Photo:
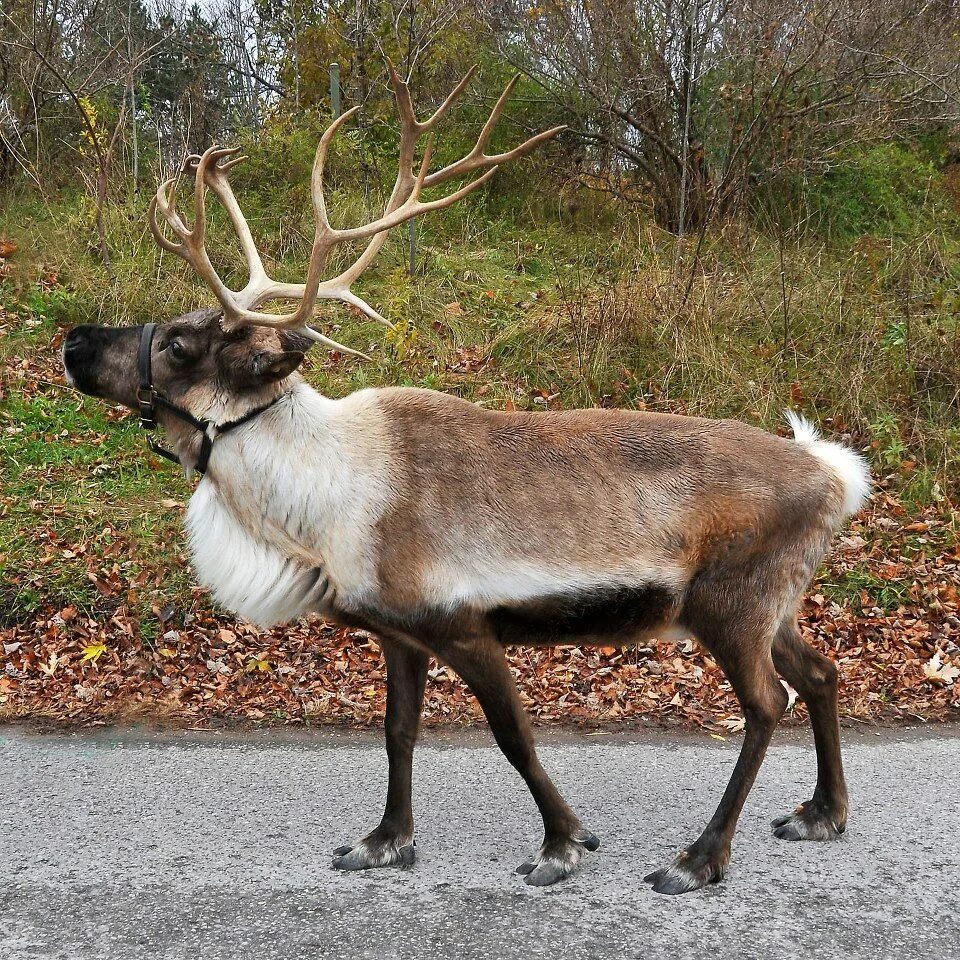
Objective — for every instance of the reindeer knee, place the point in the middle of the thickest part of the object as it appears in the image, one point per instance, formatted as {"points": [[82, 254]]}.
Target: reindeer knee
{"points": [[764, 707], [826, 675]]}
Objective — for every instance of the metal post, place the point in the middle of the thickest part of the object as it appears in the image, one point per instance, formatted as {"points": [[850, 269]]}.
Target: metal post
{"points": [[412, 229], [133, 99], [335, 90], [136, 139]]}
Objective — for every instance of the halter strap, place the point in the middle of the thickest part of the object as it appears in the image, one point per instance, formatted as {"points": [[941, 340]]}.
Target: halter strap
{"points": [[148, 399]]}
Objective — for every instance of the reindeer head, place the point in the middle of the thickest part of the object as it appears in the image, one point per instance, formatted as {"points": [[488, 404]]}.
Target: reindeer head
{"points": [[194, 362]]}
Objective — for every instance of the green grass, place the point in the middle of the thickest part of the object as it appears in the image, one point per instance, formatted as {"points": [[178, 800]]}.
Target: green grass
{"points": [[73, 477], [71, 483], [855, 585], [512, 305]]}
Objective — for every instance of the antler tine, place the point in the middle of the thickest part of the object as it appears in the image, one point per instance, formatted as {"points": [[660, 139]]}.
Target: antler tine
{"points": [[166, 203], [401, 93], [169, 245], [487, 130], [203, 164], [405, 105], [470, 163], [424, 166], [168, 198], [452, 97], [316, 177], [218, 182], [228, 165], [165, 200], [477, 158], [320, 338]]}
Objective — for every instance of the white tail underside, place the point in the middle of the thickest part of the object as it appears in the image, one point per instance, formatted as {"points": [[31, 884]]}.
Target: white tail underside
{"points": [[846, 464]]}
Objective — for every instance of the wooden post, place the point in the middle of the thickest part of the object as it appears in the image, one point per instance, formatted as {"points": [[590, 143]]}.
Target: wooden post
{"points": [[335, 90]]}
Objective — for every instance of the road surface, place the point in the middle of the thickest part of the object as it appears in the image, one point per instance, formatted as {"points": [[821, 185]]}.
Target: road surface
{"points": [[216, 846]]}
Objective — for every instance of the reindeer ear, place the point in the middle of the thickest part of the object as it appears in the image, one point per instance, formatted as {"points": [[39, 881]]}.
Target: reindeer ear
{"points": [[276, 364], [292, 340]]}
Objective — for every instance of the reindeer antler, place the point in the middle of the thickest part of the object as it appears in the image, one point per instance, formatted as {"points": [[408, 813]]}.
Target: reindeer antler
{"points": [[211, 172]]}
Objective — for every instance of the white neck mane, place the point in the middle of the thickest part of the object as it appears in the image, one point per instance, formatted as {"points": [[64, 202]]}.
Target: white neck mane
{"points": [[284, 518]]}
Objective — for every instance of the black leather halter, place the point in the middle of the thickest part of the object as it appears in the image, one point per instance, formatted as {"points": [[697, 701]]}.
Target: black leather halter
{"points": [[148, 399]]}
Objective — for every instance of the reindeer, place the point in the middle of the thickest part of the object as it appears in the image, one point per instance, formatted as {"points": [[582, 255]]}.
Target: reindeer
{"points": [[452, 531]]}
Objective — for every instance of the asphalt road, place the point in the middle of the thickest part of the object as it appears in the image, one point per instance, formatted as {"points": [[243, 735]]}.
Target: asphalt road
{"points": [[209, 846]]}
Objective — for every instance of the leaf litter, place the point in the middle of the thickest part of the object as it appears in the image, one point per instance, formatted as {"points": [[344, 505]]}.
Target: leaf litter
{"points": [[885, 608], [897, 660]]}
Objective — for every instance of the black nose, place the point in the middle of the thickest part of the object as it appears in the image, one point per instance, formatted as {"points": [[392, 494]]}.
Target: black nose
{"points": [[81, 349], [79, 345]]}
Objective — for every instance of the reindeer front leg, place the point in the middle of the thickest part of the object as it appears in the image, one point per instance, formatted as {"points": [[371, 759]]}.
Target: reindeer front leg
{"points": [[391, 843], [481, 663]]}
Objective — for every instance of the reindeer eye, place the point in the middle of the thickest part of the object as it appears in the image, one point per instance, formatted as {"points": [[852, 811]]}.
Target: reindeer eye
{"points": [[177, 350]]}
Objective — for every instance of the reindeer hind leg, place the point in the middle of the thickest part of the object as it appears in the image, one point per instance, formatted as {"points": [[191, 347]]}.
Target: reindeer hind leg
{"points": [[814, 677], [733, 609], [745, 659]]}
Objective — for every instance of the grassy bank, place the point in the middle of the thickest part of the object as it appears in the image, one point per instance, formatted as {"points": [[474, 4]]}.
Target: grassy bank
{"points": [[516, 303]]}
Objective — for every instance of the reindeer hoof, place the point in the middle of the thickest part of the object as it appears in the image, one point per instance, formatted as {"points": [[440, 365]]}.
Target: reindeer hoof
{"points": [[557, 859], [810, 821], [375, 851], [690, 871]]}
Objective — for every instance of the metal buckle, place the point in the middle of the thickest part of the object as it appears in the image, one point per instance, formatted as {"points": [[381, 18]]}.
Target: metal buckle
{"points": [[147, 406], [162, 451]]}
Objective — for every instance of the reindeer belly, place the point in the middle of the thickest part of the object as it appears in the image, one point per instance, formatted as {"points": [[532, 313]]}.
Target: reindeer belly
{"points": [[611, 616]]}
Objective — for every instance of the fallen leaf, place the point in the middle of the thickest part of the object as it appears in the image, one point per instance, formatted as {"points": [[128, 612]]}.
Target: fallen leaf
{"points": [[92, 652], [936, 669], [734, 724]]}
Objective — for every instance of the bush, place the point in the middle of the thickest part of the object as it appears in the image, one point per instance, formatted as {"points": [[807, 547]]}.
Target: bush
{"points": [[892, 189]]}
